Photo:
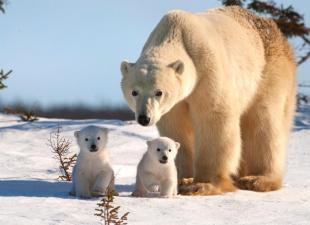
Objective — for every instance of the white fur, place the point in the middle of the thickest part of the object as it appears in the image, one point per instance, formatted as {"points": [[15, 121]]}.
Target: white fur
{"points": [[151, 173], [92, 174], [227, 79]]}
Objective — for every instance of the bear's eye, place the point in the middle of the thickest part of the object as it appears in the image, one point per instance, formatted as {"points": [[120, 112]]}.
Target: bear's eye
{"points": [[98, 138], [158, 93], [134, 93], [158, 149], [169, 150], [86, 139]]}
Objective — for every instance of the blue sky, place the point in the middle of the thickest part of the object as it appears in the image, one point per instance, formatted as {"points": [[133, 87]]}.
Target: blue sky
{"points": [[66, 52]]}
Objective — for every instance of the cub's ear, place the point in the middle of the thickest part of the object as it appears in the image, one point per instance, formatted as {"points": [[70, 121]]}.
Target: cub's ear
{"points": [[125, 67], [177, 145], [104, 130], [178, 66], [149, 143], [76, 134]]}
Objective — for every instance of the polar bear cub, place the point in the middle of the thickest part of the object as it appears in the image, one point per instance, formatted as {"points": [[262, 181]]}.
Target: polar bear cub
{"points": [[157, 169], [92, 174]]}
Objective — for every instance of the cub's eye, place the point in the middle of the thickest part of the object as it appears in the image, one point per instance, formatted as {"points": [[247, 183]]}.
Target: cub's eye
{"points": [[158, 149], [98, 138], [134, 93], [158, 93], [169, 150], [86, 139]]}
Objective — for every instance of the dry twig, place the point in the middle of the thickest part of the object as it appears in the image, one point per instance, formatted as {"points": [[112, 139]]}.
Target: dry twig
{"points": [[109, 213], [4, 76], [60, 147]]}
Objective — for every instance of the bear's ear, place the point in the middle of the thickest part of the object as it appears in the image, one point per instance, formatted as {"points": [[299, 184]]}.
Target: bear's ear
{"points": [[76, 134], [177, 145], [125, 67], [178, 66]]}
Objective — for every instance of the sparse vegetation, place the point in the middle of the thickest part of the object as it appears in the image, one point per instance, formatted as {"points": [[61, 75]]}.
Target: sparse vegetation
{"points": [[61, 149], [28, 116], [78, 111], [302, 99], [24, 114], [2, 3], [109, 213], [3, 76]]}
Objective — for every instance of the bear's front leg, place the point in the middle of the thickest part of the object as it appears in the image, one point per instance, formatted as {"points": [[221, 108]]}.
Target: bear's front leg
{"points": [[143, 182], [217, 153], [168, 188], [104, 181], [82, 186]]}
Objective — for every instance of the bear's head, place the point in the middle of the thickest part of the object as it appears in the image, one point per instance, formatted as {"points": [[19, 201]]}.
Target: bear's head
{"points": [[92, 138], [163, 149], [152, 88]]}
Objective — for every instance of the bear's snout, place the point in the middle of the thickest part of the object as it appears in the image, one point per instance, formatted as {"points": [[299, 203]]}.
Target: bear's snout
{"points": [[93, 148], [143, 120]]}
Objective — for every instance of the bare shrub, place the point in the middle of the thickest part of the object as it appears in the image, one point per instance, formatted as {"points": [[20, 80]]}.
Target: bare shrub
{"points": [[24, 114], [28, 116], [108, 213], [60, 147]]}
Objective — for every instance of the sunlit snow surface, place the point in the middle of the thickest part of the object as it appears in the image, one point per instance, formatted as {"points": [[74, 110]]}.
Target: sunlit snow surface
{"points": [[30, 193]]}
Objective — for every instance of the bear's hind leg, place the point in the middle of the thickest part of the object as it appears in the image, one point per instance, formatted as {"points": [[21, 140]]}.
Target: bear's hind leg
{"points": [[265, 128]]}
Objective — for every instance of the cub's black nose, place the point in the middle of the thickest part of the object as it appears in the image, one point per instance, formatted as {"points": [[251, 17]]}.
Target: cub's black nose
{"points": [[164, 158], [93, 148], [143, 120]]}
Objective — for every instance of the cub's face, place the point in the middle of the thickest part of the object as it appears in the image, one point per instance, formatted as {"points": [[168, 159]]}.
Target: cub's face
{"points": [[92, 139], [151, 88], [163, 149]]}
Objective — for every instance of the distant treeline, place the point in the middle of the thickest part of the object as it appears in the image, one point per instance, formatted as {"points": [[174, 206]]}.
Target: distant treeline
{"points": [[77, 111]]}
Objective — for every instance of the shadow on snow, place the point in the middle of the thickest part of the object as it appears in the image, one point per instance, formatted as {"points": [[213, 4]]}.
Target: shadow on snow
{"points": [[43, 188]]}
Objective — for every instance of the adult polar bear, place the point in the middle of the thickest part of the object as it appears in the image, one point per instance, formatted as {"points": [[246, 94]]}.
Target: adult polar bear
{"points": [[222, 83]]}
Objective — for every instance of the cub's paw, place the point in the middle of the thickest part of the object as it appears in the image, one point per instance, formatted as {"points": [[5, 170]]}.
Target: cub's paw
{"points": [[258, 183], [115, 193], [137, 194], [101, 193], [165, 196], [84, 196], [97, 194]]}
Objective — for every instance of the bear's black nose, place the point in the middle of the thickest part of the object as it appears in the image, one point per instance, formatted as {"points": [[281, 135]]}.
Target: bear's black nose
{"points": [[143, 120], [164, 158]]}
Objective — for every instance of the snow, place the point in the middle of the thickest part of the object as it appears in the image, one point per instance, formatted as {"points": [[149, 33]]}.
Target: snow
{"points": [[30, 193]]}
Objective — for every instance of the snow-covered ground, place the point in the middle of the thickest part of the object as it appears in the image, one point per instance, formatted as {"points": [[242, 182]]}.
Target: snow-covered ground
{"points": [[29, 193]]}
